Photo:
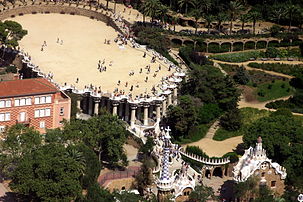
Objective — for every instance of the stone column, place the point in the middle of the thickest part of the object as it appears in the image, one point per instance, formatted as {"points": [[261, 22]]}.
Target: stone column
{"points": [[90, 105], [108, 105], [126, 114], [97, 101], [158, 114], [175, 95], [121, 110], [145, 116], [79, 105], [115, 107], [164, 106], [169, 99], [133, 115]]}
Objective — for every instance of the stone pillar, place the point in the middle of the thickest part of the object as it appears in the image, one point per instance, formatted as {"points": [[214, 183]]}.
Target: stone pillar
{"points": [[169, 99], [126, 117], [133, 115], [102, 102], [145, 112], [115, 107], [90, 105], [164, 106], [97, 101], [79, 105], [175, 95], [121, 110], [158, 114], [108, 104]]}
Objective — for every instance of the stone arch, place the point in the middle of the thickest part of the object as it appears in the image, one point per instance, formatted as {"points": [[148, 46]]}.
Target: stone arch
{"points": [[201, 46], [213, 47], [218, 171], [285, 42], [207, 173], [176, 42], [261, 44], [249, 45], [188, 42], [296, 42], [238, 46], [273, 43], [226, 47]]}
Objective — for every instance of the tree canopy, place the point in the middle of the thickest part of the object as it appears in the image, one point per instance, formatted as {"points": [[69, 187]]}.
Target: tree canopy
{"points": [[11, 32]]}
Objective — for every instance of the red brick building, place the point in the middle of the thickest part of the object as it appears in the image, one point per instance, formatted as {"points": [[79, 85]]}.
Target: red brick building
{"points": [[33, 102]]}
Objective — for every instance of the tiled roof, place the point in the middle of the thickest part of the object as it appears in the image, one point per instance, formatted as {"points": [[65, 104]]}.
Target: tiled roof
{"points": [[26, 87]]}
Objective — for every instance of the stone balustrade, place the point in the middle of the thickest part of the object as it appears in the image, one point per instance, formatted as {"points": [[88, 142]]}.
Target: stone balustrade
{"points": [[207, 161]]}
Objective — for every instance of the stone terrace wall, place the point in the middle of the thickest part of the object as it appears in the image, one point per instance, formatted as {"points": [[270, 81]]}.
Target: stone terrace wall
{"points": [[59, 8]]}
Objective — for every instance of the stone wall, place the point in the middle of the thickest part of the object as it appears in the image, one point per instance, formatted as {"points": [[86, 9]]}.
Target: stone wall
{"points": [[58, 8]]}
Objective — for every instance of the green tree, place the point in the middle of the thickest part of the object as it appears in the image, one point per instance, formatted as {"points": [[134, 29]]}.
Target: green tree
{"points": [[245, 189], [11, 32], [221, 17], [301, 48], [151, 8], [234, 9], [254, 16], [96, 193], [241, 76], [231, 120], [274, 30], [197, 15], [244, 18], [145, 177], [209, 19], [208, 112], [291, 10], [47, 174], [202, 194], [277, 13], [185, 3]]}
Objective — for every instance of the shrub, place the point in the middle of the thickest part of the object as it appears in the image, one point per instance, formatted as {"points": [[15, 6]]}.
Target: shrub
{"points": [[195, 150], [271, 52], [238, 57], [11, 69], [293, 70], [208, 112], [231, 120]]}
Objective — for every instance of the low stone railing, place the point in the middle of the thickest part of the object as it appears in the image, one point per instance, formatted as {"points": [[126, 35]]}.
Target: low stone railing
{"points": [[204, 160]]}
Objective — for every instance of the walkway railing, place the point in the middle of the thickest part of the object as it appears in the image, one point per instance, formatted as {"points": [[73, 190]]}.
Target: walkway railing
{"points": [[204, 160]]}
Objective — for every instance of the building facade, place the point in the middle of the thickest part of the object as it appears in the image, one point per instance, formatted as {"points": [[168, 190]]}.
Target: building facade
{"points": [[255, 163], [33, 102]]}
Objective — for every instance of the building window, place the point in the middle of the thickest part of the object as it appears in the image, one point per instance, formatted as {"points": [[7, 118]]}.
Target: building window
{"points": [[43, 100], [23, 102], [273, 184], [22, 116], [2, 129], [5, 116], [42, 112], [61, 111], [42, 124], [5, 103], [263, 174]]}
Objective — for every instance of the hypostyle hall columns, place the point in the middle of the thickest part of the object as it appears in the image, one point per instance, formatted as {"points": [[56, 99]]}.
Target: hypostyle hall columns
{"points": [[145, 112], [96, 110], [115, 107], [158, 112], [133, 115], [164, 106], [169, 99]]}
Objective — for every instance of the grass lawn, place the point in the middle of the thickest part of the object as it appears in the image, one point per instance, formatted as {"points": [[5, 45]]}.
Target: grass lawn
{"points": [[273, 90], [195, 134], [249, 116]]}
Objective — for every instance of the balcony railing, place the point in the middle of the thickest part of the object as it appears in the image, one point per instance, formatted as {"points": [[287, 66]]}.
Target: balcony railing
{"points": [[26, 121]]}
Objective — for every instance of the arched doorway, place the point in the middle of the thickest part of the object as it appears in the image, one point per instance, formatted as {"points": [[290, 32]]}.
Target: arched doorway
{"points": [[208, 174], [218, 172]]}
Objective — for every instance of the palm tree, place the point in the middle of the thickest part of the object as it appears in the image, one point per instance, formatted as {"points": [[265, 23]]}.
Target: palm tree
{"points": [[185, 3], [197, 15], [151, 8], [78, 157], [221, 17], [291, 11], [162, 12], [277, 13], [209, 19], [206, 5], [234, 8], [175, 20], [254, 16], [244, 19]]}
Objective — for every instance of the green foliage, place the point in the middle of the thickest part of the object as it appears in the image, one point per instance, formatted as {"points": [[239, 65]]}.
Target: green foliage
{"points": [[289, 69], [238, 57], [195, 150], [274, 30], [271, 52], [11, 32], [96, 193], [301, 48], [126, 196], [145, 177], [231, 120], [241, 76], [244, 189], [233, 157], [11, 69], [74, 110], [271, 91], [202, 194], [148, 146], [208, 112], [47, 174], [282, 138], [249, 115]]}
